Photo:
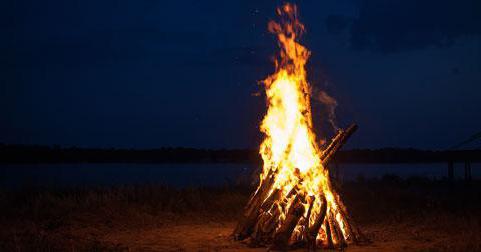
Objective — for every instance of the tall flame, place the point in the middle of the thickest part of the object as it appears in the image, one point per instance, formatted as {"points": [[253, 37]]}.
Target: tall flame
{"points": [[290, 146]]}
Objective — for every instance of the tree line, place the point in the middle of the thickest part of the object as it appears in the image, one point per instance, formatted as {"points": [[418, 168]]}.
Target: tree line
{"points": [[57, 154]]}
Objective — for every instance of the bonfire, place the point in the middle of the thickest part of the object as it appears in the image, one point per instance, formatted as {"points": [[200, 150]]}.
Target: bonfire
{"points": [[295, 203]]}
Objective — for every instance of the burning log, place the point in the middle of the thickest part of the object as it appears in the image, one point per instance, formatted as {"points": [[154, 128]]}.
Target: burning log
{"points": [[301, 232], [308, 216], [282, 235], [314, 230], [268, 218], [294, 203], [337, 234], [262, 213], [330, 244], [266, 226], [336, 143], [251, 211], [355, 234], [275, 195], [263, 189]]}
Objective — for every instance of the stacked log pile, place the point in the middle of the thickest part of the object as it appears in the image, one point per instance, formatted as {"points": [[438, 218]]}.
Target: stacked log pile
{"points": [[286, 221]]}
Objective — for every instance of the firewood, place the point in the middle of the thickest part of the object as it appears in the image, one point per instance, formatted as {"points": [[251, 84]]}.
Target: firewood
{"points": [[336, 230], [258, 234], [282, 235], [333, 142], [300, 237], [337, 142], [277, 217], [330, 244], [275, 195], [265, 230], [265, 186], [292, 192], [314, 230], [354, 233], [309, 210], [268, 219], [248, 220], [271, 224]]}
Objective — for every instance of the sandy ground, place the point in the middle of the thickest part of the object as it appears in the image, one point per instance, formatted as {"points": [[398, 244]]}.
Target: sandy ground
{"points": [[215, 236], [394, 215]]}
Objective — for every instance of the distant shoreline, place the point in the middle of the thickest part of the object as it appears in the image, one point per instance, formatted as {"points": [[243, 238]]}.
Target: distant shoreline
{"points": [[30, 154]]}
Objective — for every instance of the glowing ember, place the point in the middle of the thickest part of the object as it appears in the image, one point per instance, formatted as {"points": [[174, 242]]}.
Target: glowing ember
{"points": [[294, 203]]}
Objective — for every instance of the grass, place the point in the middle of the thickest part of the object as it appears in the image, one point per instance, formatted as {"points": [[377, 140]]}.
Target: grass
{"points": [[58, 219], [36, 216], [392, 197]]}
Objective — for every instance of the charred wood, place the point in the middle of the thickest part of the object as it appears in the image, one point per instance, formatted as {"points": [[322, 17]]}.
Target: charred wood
{"points": [[284, 233], [337, 142], [336, 232], [314, 230], [251, 213], [330, 244]]}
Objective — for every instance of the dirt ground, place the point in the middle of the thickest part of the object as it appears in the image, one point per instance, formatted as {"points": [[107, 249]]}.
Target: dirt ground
{"points": [[394, 215], [216, 237]]}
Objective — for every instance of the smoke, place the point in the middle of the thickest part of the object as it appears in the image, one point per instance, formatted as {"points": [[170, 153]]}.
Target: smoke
{"points": [[331, 105]]}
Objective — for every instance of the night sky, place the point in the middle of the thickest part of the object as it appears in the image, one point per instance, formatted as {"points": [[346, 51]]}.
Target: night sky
{"points": [[151, 73]]}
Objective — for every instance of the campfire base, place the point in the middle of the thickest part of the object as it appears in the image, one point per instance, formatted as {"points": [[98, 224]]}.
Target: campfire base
{"points": [[261, 225]]}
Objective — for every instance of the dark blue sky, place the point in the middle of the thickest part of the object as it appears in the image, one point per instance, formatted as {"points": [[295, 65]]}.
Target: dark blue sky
{"points": [[185, 73]]}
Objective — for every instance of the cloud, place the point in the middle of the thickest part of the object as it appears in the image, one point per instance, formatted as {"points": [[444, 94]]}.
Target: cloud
{"points": [[399, 25]]}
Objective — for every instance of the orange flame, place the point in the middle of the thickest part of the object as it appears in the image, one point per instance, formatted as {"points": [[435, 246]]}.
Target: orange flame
{"points": [[290, 147]]}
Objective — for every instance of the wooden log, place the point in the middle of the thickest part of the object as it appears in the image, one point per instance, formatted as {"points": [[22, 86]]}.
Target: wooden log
{"points": [[275, 196], [309, 210], [258, 235], [341, 240], [269, 227], [284, 233], [300, 240], [268, 207], [330, 244], [314, 230], [333, 142], [251, 212], [265, 184], [332, 226], [261, 214], [248, 219], [351, 232], [354, 233], [268, 219], [337, 142], [292, 192], [336, 232], [263, 189]]}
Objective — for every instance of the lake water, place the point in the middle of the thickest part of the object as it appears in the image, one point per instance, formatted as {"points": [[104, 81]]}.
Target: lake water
{"points": [[181, 175]]}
